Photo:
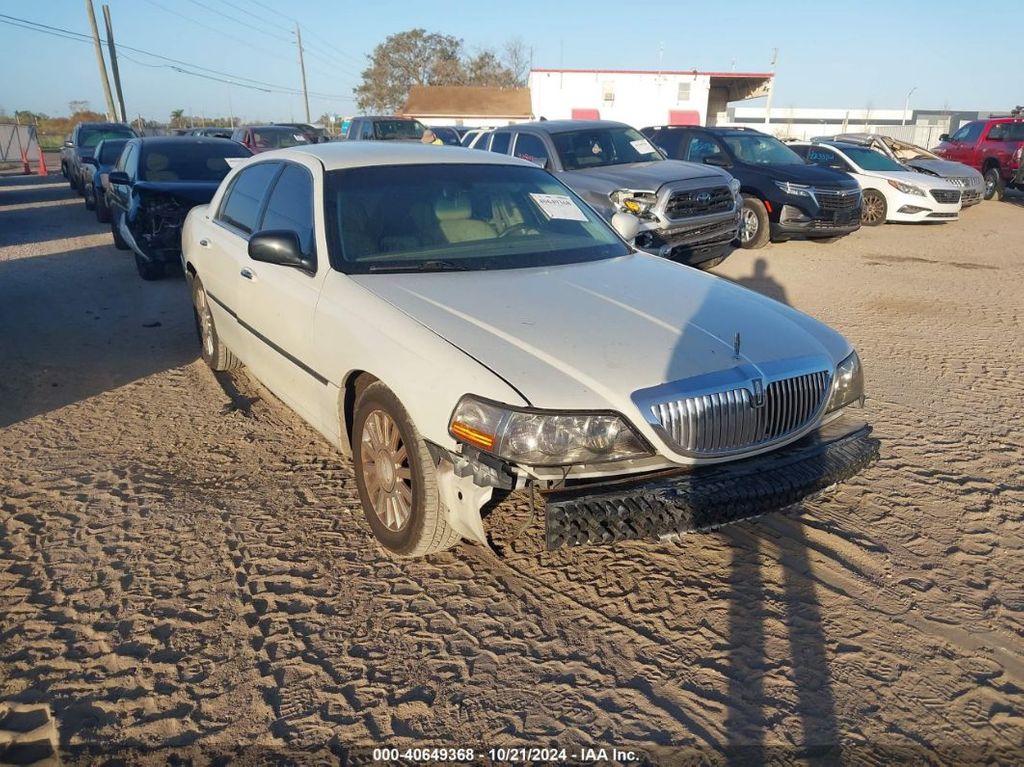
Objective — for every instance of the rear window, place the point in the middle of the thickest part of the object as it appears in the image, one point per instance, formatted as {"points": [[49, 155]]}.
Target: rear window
{"points": [[90, 137], [278, 138], [1006, 132], [189, 160], [398, 129]]}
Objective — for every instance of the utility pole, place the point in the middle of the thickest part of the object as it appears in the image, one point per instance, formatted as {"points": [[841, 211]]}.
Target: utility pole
{"points": [[111, 112], [771, 88], [302, 67], [906, 105], [113, 62]]}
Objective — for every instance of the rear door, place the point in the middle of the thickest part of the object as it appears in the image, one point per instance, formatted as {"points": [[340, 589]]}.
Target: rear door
{"points": [[224, 245], [276, 303]]}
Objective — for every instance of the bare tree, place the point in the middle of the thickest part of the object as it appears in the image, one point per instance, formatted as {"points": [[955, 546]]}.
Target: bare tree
{"points": [[516, 58], [78, 106]]}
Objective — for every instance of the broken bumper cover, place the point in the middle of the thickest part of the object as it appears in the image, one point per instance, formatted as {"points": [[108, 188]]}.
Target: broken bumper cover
{"points": [[708, 497]]}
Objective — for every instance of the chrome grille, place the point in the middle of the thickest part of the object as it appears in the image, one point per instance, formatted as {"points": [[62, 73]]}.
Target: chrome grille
{"points": [[946, 195], [699, 202], [724, 422], [836, 199]]}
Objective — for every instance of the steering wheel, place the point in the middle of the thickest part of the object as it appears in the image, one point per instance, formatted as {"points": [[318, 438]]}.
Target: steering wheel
{"points": [[522, 226]]}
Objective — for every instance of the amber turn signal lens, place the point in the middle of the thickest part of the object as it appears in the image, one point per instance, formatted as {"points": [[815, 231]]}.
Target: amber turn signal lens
{"points": [[472, 436]]}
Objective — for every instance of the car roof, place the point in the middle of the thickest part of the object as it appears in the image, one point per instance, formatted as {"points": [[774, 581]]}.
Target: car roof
{"points": [[718, 131], [105, 125], [564, 126], [356, 154], [156, 141]]}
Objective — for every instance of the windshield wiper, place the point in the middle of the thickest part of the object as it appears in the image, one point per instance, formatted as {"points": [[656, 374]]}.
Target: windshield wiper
{"points": [[426, 266]]}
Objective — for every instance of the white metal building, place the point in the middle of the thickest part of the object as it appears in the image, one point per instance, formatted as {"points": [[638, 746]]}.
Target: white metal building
{"points": [[640, 97]]}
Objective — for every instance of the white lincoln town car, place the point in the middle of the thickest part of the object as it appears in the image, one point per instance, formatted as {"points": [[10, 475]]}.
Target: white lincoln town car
{"points": [[462, 325]]}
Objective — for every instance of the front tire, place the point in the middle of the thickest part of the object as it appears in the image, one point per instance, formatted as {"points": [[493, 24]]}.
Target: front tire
{"points": [[148, 270], [397, 478], [102, 210], [90, 197], [874, 210], [215, 354], [994, 186], [755, 230], [115, 230]]}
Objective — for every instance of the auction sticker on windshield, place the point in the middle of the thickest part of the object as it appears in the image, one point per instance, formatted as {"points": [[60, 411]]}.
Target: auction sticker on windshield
{"points": [[558, 206], [643, 146]]}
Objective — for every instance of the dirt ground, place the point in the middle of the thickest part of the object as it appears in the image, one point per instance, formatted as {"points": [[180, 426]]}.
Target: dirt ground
{"points": [[183, 563]]}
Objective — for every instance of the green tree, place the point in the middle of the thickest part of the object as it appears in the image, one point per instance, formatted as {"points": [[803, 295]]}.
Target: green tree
{"points": [[177, 118], [405, 59]]}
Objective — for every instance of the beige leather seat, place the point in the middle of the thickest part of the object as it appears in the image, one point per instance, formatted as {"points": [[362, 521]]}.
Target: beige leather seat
{"points": [[156, 168], [455, 218]]}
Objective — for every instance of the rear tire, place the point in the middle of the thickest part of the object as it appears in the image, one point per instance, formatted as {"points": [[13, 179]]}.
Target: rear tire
{"points": [[215, 354], [874, 210], [755, 229], [397, 478], [150, 271], [994, 186]]}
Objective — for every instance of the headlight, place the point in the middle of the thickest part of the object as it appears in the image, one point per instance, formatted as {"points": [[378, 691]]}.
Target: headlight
{"points": [[848, 384], [544, 438], [797, 190], [630, 201], [906, 188]]}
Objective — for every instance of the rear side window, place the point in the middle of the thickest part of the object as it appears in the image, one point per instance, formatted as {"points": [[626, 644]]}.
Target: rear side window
{"points": [[530, 147], [483, 142], [500, 142], [700, 147], [291, 206], [241, 206]]}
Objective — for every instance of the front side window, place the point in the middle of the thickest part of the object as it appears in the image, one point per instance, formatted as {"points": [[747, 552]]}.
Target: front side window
{"points": [[761, 149], [241, 206], [595, 147], [969, 133], [459, 216], [124, 161], [189, 161], [110, 151], [869, 159], [531, 148], [291, 206], [277, 138]]}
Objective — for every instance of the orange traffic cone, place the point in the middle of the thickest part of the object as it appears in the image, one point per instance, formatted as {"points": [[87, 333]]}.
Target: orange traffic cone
{"points": [[24, 163], [42, 164]]}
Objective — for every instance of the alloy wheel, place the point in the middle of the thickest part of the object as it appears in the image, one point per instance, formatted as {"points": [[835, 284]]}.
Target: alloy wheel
{"points": [[205, 322], [386, 471], [872, 210], [748, 225]]}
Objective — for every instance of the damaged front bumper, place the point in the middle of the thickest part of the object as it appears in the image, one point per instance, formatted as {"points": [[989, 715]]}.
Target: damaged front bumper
{"points": [[678, 502], [691, 244]]}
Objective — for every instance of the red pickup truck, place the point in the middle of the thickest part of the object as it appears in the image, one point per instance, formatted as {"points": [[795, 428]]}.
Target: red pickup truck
{"points": [[992, 146]]}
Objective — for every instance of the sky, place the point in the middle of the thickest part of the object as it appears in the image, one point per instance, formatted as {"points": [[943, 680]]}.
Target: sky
{"points": [[866, 54]]}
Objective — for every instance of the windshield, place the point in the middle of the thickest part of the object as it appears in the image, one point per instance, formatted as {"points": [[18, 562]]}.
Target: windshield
{"points": [[277, 138], [189, 160], [760, 149], [398, 129], [597, 147], [869, 159], [90, 137], [459, 216], [111, 150]]}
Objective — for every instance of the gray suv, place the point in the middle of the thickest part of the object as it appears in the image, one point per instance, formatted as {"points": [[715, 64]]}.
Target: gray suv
{"points": [[82, 143], [374, 128], [688, 213]]}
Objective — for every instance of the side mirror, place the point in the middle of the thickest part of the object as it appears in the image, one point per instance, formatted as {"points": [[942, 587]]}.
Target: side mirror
{"points": [[627, 225], [281, 247], [943, 137], [69, 144], [119, 178], [717, 160]]}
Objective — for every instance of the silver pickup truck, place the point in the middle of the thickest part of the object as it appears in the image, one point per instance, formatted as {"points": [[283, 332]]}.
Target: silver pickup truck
{"points": [[688, 212]]}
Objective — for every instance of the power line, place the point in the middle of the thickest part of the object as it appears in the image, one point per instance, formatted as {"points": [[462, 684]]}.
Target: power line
{"points": [[207, 27], [233, 20], [68, 34]]}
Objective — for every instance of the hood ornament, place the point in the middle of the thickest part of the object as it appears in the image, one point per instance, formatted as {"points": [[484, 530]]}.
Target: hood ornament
{"points": [[736, 346]]}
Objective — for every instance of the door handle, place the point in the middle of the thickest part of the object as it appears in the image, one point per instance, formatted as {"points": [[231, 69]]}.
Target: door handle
{"points": [[205, 243], [248, 273]]}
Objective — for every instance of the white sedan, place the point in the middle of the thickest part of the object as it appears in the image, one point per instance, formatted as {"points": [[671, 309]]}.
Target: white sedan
{"points": [[891, 192], [461, 323]]}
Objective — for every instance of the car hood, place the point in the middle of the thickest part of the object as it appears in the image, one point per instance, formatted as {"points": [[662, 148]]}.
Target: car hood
{"points": [[645, 175], [807, 174], [944, 168], [189, 192], [912, 177], [589, 335]]}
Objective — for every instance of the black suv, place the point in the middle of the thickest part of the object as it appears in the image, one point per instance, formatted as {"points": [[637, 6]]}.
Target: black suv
{"points": [[385, 129], [784, 197]]}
